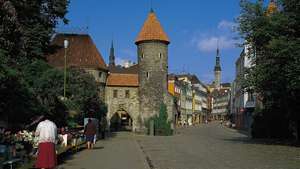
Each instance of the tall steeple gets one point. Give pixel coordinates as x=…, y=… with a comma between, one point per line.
x=112, y=55
x=218, y=65
x=217, y=70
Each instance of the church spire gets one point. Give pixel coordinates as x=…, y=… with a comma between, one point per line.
x=112, y=55
x=217, y=81
x=218, y=65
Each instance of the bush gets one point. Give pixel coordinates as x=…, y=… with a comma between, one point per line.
x=162, y=127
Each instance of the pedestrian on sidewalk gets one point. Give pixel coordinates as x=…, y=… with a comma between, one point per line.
x=90, y=131
x=46, y=132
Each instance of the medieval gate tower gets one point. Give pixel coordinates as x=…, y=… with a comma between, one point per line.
x=152, y=49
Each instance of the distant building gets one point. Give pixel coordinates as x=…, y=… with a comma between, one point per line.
x=174, y=88
x=194, y=103
x=220, y=104
x=186, y=100
x=219, y=94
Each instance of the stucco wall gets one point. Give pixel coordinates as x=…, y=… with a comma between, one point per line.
x=130, y=105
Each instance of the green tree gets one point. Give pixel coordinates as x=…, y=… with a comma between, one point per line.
x=46, y=85
x=161, y=124
x=275, y=46
x=26, y=27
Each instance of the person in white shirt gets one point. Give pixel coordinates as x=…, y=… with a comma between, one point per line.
x=46, y=132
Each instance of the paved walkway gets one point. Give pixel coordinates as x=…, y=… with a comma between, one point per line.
x=213, y=146
x=121, y=151
x=206, y=147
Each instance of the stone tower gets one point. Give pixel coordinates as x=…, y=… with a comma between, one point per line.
x=112, y=55
x=152, y=49
x=217, y=70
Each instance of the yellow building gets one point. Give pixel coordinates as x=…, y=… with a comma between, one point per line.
x=175, y=90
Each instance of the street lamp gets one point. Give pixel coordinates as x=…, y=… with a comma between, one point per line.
x=66, y=44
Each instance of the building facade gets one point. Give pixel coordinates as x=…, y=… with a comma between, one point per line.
x=242, y=100
x=194, y=99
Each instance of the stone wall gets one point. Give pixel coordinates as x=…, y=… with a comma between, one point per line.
x=121, y=103
x=100, y=77
x=153, y=69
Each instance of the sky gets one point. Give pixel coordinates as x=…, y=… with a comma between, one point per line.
x=195, y=27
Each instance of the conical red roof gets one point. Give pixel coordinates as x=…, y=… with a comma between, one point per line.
x=152, y=30
x=272, y=7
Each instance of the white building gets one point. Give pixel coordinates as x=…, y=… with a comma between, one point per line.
x=242, y=100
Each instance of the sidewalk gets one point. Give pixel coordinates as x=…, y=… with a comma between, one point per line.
x=120, y=151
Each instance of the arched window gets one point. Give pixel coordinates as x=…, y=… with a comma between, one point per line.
x=147, y=75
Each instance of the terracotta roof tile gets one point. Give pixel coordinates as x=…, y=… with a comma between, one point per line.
x=81, y=52
x=126, y=80
x=152, y=30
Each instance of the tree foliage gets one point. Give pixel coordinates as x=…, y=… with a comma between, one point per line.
x=29, y=87
x=274, y=43
x=26, y=27
x=162, y=126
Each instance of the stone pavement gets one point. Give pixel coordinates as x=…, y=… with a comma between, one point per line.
x=118, y=152
x=213, y=146
x=209, y=146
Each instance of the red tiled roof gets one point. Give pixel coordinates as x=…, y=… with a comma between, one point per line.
x=81, y=52
x=126, y=80
x=152, y=30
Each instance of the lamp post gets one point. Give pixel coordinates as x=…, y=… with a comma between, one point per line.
x=66, y=44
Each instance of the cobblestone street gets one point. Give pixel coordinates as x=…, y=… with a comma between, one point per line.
x=206, y=147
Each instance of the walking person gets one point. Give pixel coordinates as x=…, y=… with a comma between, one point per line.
x=90, y=131
x=46, y=132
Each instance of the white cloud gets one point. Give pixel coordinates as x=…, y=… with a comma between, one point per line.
x=207, y=44
x=226, y=25
x=120, y=61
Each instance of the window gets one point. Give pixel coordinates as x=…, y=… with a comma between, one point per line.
x=142, y=56
x=100, y=74
x=127, y=94
x=115, y=93
x=160, y=55
x=147, y=75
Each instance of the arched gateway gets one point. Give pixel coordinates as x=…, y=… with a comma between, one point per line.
x=122, y=100
x=121, y=121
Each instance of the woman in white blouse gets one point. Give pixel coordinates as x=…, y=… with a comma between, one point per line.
x=46, y=132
